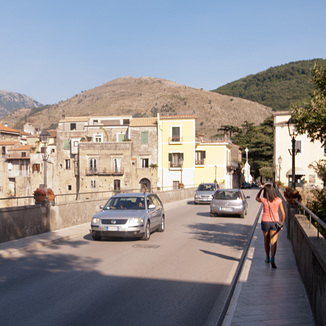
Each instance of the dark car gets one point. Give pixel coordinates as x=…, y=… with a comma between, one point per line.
x=245, y=185
x=133, y=215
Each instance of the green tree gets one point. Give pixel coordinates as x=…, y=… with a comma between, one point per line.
x=320, y=168
x=310, y=117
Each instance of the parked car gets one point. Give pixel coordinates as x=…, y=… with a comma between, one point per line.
x=205, y=192
x=229, y=202
x=245, y=185
x=133, y=215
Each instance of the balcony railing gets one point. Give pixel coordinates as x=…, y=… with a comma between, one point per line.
x=104, y=171
x=175, y=140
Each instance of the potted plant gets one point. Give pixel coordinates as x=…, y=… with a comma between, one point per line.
x=290, y=195
x=50, y=194
x=39, y=195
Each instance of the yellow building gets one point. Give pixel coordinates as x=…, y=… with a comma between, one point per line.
x=176, y=151
x=213, y=163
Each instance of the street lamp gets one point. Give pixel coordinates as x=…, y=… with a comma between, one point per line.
x=293, y=133
x=44, y=139
x=279, y=160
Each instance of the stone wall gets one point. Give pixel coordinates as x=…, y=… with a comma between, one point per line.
x=310, y=254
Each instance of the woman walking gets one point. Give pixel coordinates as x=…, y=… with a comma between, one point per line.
x=272, y=204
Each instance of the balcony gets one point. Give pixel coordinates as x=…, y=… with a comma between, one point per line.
x=104, y=172
x=175, y=140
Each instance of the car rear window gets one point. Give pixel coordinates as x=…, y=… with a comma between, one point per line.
x=227, y=195
x=206, y=187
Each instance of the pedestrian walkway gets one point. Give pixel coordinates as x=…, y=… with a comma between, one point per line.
x=266, y=296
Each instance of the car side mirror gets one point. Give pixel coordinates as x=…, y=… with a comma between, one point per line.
x=247, y=197
x=101, y=207
x=151, y=206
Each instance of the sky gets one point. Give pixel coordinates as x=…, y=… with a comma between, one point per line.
x=52, y=50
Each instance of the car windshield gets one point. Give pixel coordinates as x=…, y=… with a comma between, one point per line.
x=227, y=195
x=205, y=187
x=133, y=203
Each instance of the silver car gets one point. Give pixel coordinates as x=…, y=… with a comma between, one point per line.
x=205, y=192
x=133, y=215
x=229, y=202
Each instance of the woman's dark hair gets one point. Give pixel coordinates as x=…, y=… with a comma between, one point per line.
x=269, y=193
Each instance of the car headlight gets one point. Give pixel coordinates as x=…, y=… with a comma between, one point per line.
x=136, y=220
x=95, y=220
x=197, y=196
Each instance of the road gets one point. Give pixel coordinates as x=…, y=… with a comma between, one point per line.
x=178, y=277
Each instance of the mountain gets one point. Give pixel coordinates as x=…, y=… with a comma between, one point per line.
x=10, y=101
x=277, y=87
x=145, y=96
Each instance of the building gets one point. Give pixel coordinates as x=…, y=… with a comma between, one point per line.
x=306, y=153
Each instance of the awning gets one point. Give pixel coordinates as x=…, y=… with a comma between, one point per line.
x=298, y=171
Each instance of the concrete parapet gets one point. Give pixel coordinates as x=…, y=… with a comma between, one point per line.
x=310, y=254
x=24, y=221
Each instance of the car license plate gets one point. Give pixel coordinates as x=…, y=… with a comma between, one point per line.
x=112, y=228
x=226, y=209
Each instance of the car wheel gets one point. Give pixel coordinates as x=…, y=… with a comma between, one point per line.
x=162, y=225
x=195, y=203
x=242, y=215
x=213, y=214
x=147, y=233
x=96, y=237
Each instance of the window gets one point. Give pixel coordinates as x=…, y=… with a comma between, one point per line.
x=23, y=154
x=92, y=165
x=116, y=184
x=66, y=144
x=176, y=184
x=176, y=134
x=36, y=167
x=144, y=137
x=69, y=187
x=93, y=184
x=98, y=138
x=67, y=164
x=200, y=157
x=126, y=121
x=176, y=160
x=117, y=164
x=73, y=126
x=312, y=178
x=144, y=162
x=120, y=137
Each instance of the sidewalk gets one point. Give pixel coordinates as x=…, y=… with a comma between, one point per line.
x=266, y=296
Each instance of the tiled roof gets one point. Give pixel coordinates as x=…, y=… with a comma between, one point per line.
x=184, y=116
x=8, y=142
x=22, y=148
x=7, y=129
x=143, y=122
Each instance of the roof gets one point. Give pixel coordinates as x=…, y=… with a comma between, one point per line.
x=143, y=122
x=21, y=148
x=8, y=130
x=4, y=143
x=184, y=116
x=75, y=119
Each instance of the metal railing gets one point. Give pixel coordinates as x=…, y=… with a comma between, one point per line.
x=313, y=216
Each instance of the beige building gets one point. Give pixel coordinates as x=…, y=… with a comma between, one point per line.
x=306, y=154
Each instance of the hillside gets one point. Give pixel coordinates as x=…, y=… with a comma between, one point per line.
x=275, y=87
x=10, y=101
x=146, y=96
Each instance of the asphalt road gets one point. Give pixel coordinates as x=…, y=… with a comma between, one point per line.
x=178, y=277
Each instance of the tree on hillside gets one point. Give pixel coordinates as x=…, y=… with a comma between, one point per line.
x=311, y=116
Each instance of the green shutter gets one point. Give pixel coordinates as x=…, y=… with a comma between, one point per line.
x=66, y=144
x=144, y=137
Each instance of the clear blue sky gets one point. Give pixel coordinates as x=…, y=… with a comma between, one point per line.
x=51, y=50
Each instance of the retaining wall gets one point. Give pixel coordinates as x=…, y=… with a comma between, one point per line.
x=310, y=254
